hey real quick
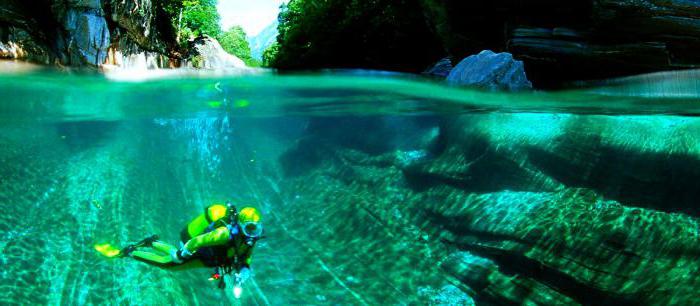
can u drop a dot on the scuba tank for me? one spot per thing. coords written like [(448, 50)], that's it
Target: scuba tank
[(232, 213)]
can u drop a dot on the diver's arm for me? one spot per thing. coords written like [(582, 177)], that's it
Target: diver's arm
[(245, 270), (199, 224), (219, 236)]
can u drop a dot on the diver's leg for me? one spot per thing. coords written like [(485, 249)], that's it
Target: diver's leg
[(166, 261), (147, 242), (164, 247), (152, 258), (190, 264), (161, 254)]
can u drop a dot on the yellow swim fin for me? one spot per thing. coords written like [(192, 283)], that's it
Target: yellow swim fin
[(107, 250)]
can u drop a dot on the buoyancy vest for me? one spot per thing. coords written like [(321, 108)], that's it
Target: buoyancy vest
[(233, 255)]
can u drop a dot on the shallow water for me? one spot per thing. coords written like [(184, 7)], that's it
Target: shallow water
[(376, 188), (49, 96)]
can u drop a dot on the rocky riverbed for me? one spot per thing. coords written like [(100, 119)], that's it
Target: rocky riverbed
[(513, 209)]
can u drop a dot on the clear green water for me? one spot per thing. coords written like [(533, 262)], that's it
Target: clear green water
[(48, 96), (376, 190)]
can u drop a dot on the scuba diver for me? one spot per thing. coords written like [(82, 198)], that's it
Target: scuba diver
[(222, 237)]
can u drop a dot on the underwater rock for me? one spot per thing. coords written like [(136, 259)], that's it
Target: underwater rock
[(491, 71), (502, 222), (447, 295), (548, 152), (660, 173), (441, 69), (371, 135), (611, 255), (408, 158)]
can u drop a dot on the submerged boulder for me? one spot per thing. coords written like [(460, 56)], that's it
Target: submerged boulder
[(546, 209), (492, 71)]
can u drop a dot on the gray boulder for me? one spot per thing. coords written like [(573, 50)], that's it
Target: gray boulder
[(441, 69), (90, 37), (492, 71), (210, 55), (84, 32)]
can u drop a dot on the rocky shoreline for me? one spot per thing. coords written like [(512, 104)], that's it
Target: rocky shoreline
[(86, 32), (557, 42)]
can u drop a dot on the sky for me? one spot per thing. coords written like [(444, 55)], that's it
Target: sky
[(252, 15)]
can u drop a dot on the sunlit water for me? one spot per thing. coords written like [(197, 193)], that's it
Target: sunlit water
[(372, 186)]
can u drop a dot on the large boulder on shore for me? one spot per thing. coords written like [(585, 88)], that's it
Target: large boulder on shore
[(441, 69), (492, 71), (90, 37), (210, 55)]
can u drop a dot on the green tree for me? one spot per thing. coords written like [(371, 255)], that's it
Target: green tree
[(234, 41), (376, 34), (270, 54), (183, 20), (199, 17), (191, 18)]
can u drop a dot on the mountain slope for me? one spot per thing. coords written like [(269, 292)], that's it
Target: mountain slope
[(264, 39)]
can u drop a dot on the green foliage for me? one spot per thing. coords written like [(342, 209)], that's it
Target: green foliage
[(379, 34), (197, 61), (192, 18), (270, 54), (199, 17), (234, 41)]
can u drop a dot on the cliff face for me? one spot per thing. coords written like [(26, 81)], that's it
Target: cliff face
[(84, 32), (559, 41), (580, 39)]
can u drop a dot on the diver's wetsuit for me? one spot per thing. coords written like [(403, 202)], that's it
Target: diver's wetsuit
[(209, 238)]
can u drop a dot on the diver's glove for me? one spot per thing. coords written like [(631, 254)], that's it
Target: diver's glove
[(180, 255), (244, 274)]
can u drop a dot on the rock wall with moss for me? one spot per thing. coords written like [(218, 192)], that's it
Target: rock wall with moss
[(84, 32), (582, 39), (558, 41)]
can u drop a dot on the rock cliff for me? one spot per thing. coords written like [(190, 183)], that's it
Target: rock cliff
[(580, 39), (85, 32)]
